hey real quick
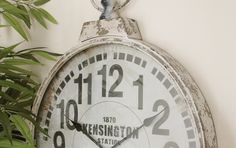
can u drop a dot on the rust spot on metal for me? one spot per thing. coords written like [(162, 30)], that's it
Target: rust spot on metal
[(102, 31)]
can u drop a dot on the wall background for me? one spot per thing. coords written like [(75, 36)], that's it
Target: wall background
[(201, 34)]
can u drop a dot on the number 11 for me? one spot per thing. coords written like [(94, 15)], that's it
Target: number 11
[(87, 80)]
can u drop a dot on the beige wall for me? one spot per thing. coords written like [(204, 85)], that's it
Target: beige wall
[(201, 34)]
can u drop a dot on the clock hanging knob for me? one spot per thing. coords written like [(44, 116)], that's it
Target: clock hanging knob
[(110, 23), (108, 11), (109, 8)]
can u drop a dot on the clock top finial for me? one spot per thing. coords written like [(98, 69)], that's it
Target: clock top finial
[(117, 27)]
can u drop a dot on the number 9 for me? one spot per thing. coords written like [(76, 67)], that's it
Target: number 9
[(57, 143), (171, 145)]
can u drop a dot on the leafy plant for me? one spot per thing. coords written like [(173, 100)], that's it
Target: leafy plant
[(17, 85), (19, 13)]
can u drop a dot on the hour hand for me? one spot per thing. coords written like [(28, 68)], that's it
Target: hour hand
[(79, 128)]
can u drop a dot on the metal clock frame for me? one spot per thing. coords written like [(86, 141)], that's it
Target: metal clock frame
[(100, 35)]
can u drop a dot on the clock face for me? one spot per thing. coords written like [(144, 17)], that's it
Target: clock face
[(113, 95)]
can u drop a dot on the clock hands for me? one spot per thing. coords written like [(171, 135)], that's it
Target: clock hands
[(146, 122), (79, 128)]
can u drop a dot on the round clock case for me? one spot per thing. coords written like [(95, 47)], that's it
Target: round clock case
[(111, 83)]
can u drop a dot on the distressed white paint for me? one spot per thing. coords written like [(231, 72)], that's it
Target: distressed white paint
[(200, 34), (178, 93)]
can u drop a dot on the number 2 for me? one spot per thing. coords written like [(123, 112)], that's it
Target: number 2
[(156, 129), (112, 92)]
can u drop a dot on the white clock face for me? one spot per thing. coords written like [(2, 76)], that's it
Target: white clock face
[(119, 97)]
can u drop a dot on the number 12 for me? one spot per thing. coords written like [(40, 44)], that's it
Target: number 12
[(112, 91)]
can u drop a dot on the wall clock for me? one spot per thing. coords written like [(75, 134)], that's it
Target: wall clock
[(114, 90)]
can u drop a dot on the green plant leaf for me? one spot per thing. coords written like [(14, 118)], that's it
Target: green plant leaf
[(37, 126), (6, 51), (15, 109), (17, 77), (10, 8), (15, 24), (13, 93), (45, 55), (36, 49), (7, 97), (5, 122), (22, 127), (35, 123), (20, 62), (16, 69), (48, 16), (25, 97), (22, 16), (40, 2), (38, 16), (28, 56), (15, 86), (50, 53), (26, 103), (2, 26), (29, 50), (25, 18), (4, 143)]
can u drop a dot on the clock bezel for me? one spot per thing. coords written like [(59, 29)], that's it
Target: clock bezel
[(189, 88)]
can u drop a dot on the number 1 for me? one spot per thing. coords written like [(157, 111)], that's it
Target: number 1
[(139, 83), (103, 72)]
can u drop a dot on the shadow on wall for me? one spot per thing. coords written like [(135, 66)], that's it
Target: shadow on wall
[(224, 134)]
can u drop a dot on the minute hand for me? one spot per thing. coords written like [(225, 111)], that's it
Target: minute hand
[(79, 128), (146, 122)]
